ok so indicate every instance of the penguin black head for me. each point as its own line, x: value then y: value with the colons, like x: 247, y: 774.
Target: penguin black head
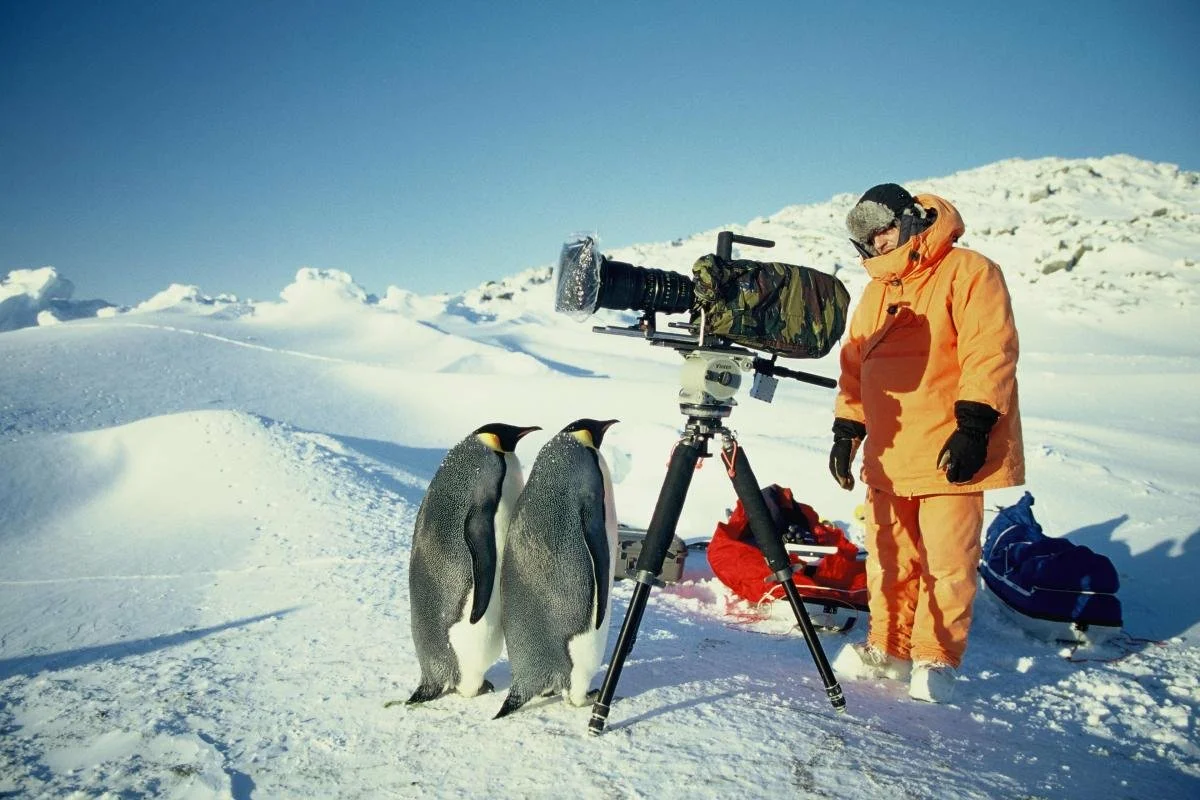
x: 502, y: 438
x: 589, y: 432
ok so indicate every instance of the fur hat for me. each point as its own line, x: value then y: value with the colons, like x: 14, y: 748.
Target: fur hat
x: 879, y: 208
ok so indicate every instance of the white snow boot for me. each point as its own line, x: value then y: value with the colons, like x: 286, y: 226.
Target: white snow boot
x: 864, y: 662
x: 932, y: 682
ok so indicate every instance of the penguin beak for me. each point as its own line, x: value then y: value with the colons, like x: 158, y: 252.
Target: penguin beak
x: 503, y: 438
x: 518, y: 435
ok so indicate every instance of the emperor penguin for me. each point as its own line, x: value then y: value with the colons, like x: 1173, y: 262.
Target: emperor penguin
x: 454, y: 567
x: 558, y: 566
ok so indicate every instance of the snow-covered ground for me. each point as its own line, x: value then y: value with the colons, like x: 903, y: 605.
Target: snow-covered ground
x: 206, y: 507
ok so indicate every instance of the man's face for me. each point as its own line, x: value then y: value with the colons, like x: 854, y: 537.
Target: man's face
x: 886, y: 240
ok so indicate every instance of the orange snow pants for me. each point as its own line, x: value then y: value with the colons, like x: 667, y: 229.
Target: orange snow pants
x: 922, y: 559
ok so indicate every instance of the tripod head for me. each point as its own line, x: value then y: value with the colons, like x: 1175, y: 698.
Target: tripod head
x: 711, y: 376
x: 709, y: 379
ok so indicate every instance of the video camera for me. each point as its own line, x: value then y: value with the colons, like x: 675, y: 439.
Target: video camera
x: 735, y: 306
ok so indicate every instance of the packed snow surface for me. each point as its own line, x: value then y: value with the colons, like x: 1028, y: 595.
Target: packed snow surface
x: 207, y: 505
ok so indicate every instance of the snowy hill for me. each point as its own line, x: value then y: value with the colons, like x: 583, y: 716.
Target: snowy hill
x: 206, y: 508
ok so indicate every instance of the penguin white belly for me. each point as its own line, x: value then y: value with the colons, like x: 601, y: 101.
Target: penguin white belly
x: 587, y: 649
x: 476, y: 647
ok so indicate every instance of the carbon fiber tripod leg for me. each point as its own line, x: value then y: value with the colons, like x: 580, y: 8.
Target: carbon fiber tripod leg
x: 649, y: 565
x: 771, y: 543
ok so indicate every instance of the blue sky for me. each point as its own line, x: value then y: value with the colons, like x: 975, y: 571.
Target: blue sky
x: 228, y: 144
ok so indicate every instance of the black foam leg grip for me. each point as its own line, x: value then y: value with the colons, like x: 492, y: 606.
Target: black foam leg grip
x: 669, y: 507
x: 769, y: 540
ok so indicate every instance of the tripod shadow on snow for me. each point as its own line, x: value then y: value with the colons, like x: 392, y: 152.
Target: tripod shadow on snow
x: 1159, y: 594
x: 683, y: 661
x: 85, y: 656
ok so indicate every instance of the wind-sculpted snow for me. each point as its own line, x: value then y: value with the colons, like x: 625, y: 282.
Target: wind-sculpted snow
x: 41, y: 297
x: 206, y: 511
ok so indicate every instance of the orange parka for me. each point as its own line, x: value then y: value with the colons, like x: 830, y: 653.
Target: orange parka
x: 933, y: 326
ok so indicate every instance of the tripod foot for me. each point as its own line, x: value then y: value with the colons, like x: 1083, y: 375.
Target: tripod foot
x: 836, y: 698
x: 599, y: 718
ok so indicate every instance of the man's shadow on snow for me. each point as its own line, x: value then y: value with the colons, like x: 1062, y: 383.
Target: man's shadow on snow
x: 83, y: 656
x: 1159, y: 593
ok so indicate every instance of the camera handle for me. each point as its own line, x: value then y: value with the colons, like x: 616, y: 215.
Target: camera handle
x: 726, y: 240
x: 692, y: 446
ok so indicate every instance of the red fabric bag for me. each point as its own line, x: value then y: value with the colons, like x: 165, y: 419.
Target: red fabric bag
x: 738, y: 563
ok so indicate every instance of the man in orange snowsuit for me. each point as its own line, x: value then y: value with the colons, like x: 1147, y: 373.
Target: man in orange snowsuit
x: 928, y: 388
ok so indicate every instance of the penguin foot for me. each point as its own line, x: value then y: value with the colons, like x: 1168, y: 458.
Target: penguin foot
x: 588, y: 699
x: 424, y: 693
x: 487, y: 687
x: 511, y: 704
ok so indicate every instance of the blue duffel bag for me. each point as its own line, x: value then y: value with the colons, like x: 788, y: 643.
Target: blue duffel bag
x: 1056, y: 588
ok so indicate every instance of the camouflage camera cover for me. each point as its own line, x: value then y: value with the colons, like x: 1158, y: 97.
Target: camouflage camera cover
x: 797, y: 312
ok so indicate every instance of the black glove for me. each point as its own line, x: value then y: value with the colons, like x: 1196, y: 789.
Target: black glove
x: 966, y: 449
x: 847, y: 436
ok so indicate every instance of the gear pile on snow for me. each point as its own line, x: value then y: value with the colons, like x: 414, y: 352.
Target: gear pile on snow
x: 830, y: 576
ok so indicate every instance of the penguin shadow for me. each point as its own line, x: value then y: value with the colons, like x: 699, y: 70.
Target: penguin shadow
x: 407, y: 470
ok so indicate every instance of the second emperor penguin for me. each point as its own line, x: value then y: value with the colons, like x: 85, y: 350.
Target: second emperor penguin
x: 557, y: 570
x: 454, y: 569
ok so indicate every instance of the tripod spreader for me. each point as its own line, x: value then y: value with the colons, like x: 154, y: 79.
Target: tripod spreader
x: 693, y: 446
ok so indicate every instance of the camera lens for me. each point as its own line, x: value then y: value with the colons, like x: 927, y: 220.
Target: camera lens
x: 624, y: 286
x: 587, y: 281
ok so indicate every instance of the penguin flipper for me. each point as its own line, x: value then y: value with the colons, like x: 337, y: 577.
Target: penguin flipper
x: 596, y: 539
x: 480, y: 534
x: 511, y: 704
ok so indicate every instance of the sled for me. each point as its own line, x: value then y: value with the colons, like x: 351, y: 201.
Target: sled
x: 1069, y: 632
x: 1051, y: 588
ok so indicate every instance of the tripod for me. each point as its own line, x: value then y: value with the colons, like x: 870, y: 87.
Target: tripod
x: 710, y: 379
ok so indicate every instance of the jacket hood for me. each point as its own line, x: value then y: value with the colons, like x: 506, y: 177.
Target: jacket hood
x: 924, y: 250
